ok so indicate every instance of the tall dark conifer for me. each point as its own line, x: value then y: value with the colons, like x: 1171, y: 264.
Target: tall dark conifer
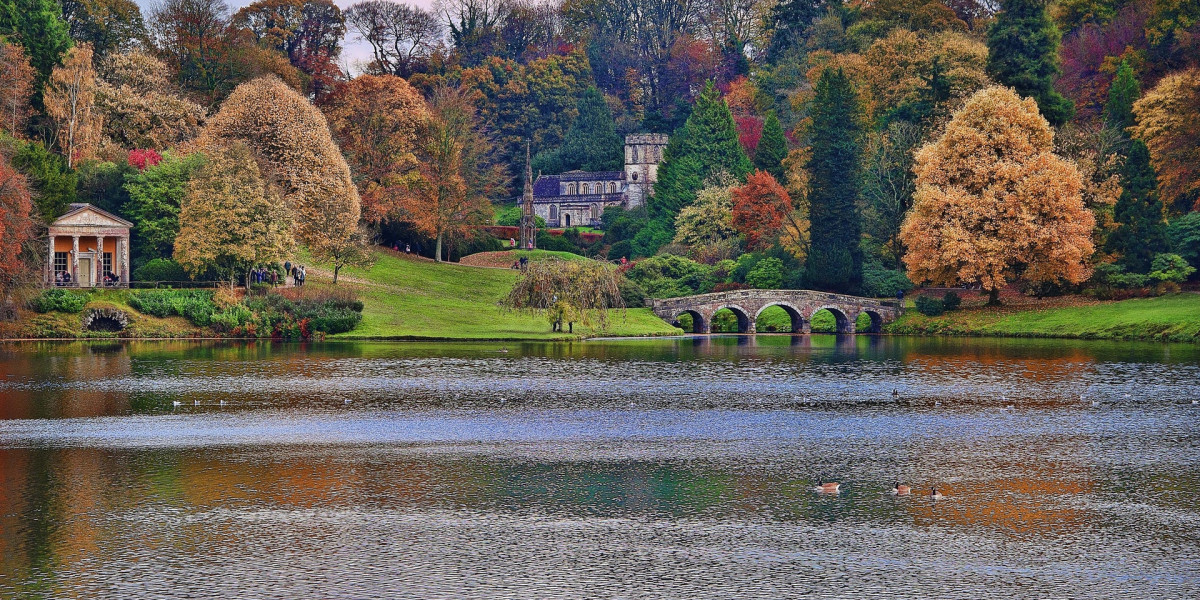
x: 834, y: 259
x: 1141, y: 231
x: 1124, y: 91
x: 788, y: 22
x: 592, y: 142
x: 1023, y: 54
x: 772, y: 148
x: 706, y: 144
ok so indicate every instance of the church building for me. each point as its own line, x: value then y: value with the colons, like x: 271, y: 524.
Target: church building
x: 578, y: 198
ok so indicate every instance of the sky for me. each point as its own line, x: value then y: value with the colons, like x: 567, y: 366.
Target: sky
x: 353, y: 50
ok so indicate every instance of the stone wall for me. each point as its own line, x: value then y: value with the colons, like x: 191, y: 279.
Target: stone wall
x: 799, y: 304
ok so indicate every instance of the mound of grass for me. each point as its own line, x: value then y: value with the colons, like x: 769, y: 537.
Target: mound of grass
x: 405, y: 297
x: 505, y: 258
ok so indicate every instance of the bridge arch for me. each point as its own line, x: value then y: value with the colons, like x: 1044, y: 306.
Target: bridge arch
x: 797, y: 317
x: 876, y: 325
x: 699, y: 323
x: 744, y: 323
x: 844, y: 324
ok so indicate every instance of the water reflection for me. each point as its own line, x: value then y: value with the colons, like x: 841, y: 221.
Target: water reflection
x: 648, y: 468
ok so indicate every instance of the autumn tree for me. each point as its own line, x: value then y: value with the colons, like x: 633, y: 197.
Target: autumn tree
x: 38, y: 27
x: 915, y: 77
x: 705, y: 146
x: 994, y: 204
x: 308, y: 32
x: 1167, y: 123
x: 139, y: 105
x: 1141, y: 230
x: 706, y: 226
x: 834, y: 258
x: 155, y: 196
x: 16, y: 88
x: 1023, y: 53
x: 291, y: 139
x: 456, y: 175
x: 760, y: 209
x: 772, y: 148
x: 230, y: 219
x: 377, y: 119
x: 70, y: 100
x: 16, y: 224
x: 402, y: 37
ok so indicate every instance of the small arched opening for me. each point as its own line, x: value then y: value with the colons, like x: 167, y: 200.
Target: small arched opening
x: 566, y: 219
x: 868, y: 321
x: 105, y: 319
x: 730, y: 319
x: 830, y: 320
x: 779, y: 318
x: 690, y: 321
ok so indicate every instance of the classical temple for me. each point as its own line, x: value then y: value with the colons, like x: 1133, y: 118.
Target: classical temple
x: 88, y: 247
x: 578, y: 198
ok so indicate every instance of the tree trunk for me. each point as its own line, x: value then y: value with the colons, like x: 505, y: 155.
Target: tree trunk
x: 437, y: 255
x: 336, y: 268
x: 994, y: 297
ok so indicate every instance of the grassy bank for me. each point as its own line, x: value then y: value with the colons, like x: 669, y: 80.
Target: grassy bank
x: 1174, y: 318
x: 408, y: 297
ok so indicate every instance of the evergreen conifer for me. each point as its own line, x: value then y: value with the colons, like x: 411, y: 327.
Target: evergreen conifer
x: 834, y: 259
x: 1123, y: 92
x: 1141, y: 231
x: 1023, y: 54
x: 772, y: 148
x: 592, y: 142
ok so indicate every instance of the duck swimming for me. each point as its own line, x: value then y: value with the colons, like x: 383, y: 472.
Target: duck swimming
x: 901, y: 490
x: 827, y: 488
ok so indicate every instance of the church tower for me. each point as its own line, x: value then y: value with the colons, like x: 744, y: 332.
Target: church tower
x: 643, y: 152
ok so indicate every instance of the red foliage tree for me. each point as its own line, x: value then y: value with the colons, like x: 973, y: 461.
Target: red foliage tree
x: 749, y: 130
x: 143, y: 159
x: 760, y: 209
x: 1092, y: 53
x: 16, y: 226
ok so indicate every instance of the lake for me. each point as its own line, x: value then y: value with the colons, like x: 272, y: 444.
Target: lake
x: 663, y: 468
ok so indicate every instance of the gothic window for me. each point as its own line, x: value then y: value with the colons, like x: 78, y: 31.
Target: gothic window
x: 553, y: 212
x: 595, y: 211
x: 571, y: 189
x: 583, y: 188
x: 612, y: 188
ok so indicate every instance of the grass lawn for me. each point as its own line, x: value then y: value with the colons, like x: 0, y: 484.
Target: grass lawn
x: 505, y: 258
x: 1168, y: 318
x: 406, y: 297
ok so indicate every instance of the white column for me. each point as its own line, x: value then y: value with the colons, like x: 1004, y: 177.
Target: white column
x: 50, y: 261
x: 125, y: 260
x: 75, y: 259
x: 99, y: 279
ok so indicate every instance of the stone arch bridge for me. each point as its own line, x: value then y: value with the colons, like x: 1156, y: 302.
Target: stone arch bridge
x: 800, y: 305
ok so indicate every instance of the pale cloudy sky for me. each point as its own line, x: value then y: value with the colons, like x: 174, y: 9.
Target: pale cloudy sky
x: 352, y: 49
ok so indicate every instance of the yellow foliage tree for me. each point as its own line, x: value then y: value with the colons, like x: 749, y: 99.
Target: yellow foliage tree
x: 1167, y: 121
x: 70, y: 99
x: 140, y: 107
x: 291, y: 140
x: 230, y: 219
x: 994, y: 203
x: 898, y: 67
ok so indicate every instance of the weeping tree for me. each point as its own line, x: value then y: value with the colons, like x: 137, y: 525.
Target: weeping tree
x: 568, y: 292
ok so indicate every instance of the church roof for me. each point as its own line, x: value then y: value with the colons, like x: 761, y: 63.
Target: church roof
x: 546, y: 185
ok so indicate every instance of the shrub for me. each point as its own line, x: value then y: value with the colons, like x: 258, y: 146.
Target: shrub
x: 160, y: 269
x: 196, y: 306
x: 1170, y: 268
x: 766, y: 275
x: 632, y: 294
x: 930, y: 307
x: 619, y: 250
x: 951, y: 301
x: 880, y: 281
x: 59, y: 300
x: 556, y: 243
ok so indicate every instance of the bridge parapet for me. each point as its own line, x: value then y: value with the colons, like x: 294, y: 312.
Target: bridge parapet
x: 799, y: 304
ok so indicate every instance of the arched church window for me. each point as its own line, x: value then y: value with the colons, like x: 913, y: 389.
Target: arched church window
x: 553, y: 212
x: 571, y: 188
x: 612, y: 188
x: 595, y: 211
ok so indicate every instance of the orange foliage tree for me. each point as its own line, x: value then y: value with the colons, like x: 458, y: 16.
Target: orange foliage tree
x: 994, y: 203
x: 376, y: 120
x: 1167, y: 121
x: 291, y: 141
x: 456, y: 174
x: 16, y: 225
x: 70, y: 100
x: 16, y: 87
x: 761, y: 207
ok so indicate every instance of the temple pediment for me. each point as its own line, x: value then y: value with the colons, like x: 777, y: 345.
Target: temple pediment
x: 86, y: 215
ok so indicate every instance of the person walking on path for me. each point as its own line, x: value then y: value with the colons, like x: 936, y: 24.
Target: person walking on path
x: 287, y: 270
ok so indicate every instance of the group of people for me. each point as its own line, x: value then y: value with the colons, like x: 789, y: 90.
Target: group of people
x: 298, y: 272
x: 63, y: 278
x: 263, y: 275
x: 521, y: 263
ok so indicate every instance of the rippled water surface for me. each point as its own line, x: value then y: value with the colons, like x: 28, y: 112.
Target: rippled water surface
x: 676, y: 468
